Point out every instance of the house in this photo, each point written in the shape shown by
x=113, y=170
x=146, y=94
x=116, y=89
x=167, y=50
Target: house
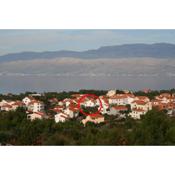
x=36, y=115
x=139, y=104
x=3, y=102
x=155, y=102
x=117, y=109
x=104, y=103
x=28, y=100
x=142, y=98
x=111, y=93
x=130, y=98
x=88, y=102
x=61, y=117
x=35, y=106
x=67, y=102
x=58, y=108
x=94, y=119
x=165, y=98
x=140, y=107
x=118, y=99
x=121, y=99
x=17, y=104
x=137, y=113
x=6, y=107
x=72, y=111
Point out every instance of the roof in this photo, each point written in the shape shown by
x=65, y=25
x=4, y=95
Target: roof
x=62, y=114
x=142, y=97
x=118, y=96
x=97, y=116
x=139, y=102
x=122, y=96
x=35, y=101
x=120, y=108
x=56, y=109
x=138, y=110
x=7, y=106
x=74, y=109
x=17, y=103
x=165, y=95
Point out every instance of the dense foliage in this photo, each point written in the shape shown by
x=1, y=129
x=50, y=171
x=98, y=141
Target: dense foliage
x=155, y=128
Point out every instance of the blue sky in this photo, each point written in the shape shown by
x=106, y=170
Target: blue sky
x=12, y=41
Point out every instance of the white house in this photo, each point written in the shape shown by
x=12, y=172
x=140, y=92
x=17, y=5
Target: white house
x=142, y=98
x=121, y=99
x=72, y=112
x=17, y=104
x=110, y=93
x=95, y=119
x=117, y=109
x=28, y=100
x=89, y=103
x=35, y=106
x=130, y=98
x=118, y=99
x=138, y=104
x=165, y=98
x=105, y=104
x=61, y=117
x=36, y=115
x=6, y=107
x=136, y=113
x=9, y=102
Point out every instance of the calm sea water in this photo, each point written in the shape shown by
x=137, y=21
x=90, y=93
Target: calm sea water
x=17, y=84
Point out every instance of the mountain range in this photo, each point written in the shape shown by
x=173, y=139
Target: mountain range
x=156, y=50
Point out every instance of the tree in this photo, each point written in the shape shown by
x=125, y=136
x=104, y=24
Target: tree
x=152, y=129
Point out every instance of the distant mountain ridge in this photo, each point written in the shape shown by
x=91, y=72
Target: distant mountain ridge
x=157, y=50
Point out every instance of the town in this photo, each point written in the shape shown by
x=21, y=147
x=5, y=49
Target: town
x=118, y=104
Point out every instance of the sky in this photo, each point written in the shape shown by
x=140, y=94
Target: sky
x=13, y=41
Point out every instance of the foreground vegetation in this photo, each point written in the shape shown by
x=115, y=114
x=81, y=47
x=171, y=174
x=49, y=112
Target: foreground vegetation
x=155, y=128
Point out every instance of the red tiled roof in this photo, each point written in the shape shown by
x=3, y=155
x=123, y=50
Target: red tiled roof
x=142, y=97
x=17, y=103
x=97, y=116
x=56, y=110
x=120, y=108
x=7, y=106
x=73, y=109
x=139, y=102
x=138, y=110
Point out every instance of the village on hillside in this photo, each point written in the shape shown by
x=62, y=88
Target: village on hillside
x=112, y=103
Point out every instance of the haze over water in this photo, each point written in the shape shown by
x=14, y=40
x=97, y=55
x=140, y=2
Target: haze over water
x=18, y=84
